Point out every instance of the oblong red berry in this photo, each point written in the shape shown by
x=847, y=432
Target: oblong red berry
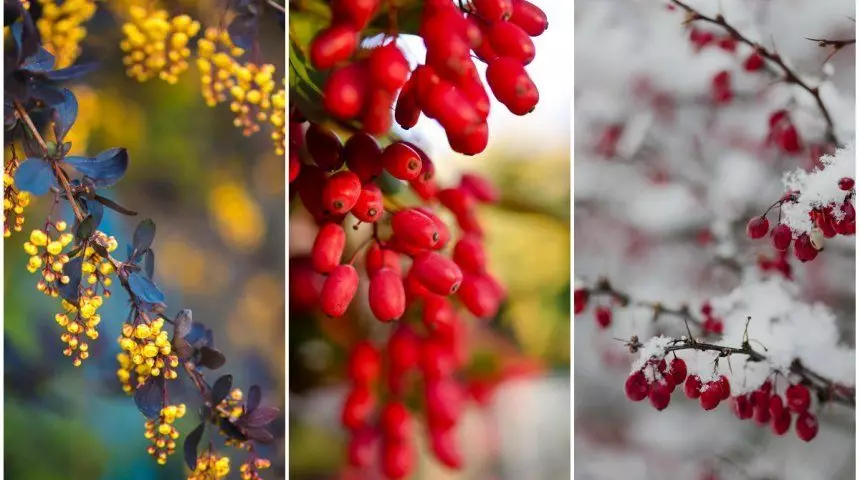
x=361, y=154
x=369, y=206
x=443, y=403
x=324, y=146
x=480, y=188
x=357, y=13
x=711, y=396
x=725, y=387
x=529, y=17
x=387, y=296
x=509, y=40
x=780, y=423
x=395, y=421
x=415, y=227
x=679, y=370
x=378, y=257
x=441, y=228
x=780, y=237
x=797, y=398
x=438, y=273
x=493, y=10
x=742, y=407
x=469, y=255
x=659, y=395
x=447, y=104
x=512, y=86
x=443, y=443
x=388, y=67
x=603, y=316
x=403, y=348
x=401, y=161
x=804, y=250
x=398, y=458
x=470, y=142
x=757, y=227
x=806, y=426
x=344, y=91
x=479, y=296
x=338, y=290
x=775, y=405
x=761, y=414
x=358, y=407
x=341, y=192
x=580, y=300
x=360, y=447
x=295, y=165
x=364, y=363
x=636, y=386
x=333, y=45
x=436, y=359
x=693, y=386
x=328, y=247
x=407, y=111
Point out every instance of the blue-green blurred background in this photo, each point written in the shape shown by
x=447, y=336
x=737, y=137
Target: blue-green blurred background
x=218, y=202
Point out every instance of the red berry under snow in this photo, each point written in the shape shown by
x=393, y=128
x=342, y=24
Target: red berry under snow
x=797, y=398
x=636, y=387
x=846, y=183
x=757, y=227
x=780, y=237
x=806, y=426
x=693, y=387
x=603, y=316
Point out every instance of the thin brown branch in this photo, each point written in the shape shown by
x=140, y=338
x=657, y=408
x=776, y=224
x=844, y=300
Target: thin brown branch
x=789, y=76
x=837, y=44
x=604, y=287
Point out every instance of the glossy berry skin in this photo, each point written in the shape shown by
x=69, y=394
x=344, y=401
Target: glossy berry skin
x=478, y=296
x=469, y=255
x=398, y=459
x=753, y=62
x=493, y=10
x=415, y=227
x=846, y=183
x=761, y=414
x=408, y=110
x=343, y=93
x=341, y=192
x=780, y=237
x=324, y=146
x=377, y=257
x=775, y=406
x=480, y=188
x=377, y=117
x=725, y=388
x=401, y=161
x=443, y=443
x=338, y=290
x=471, y=142
x=369, y=206
x=693, y=387
x=679, y=370
x=806, y=426
x=529, y=17
x=757, y=227
x=803, y=248
x=387, y=296
x=711, y=395
x=388, y=67
x=444, y=403
x=797, y=398
x=660, y=395
x=580, y=300
x=357, y=408
x=333, y=45
x=364, y=364
x=636, y=387
x=361, y=154
x=328, y=247
x=512, y=86
x=603, y=316
x=780, y=423
x=295, y=165
x=438, y=273
x=742, y=407
x=357, y=13
x=395, y=421
x=509, y=40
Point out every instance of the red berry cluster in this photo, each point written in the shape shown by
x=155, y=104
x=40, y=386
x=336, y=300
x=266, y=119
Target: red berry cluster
x=704, y=38
x=767, y=407
x=709, y=393
x=825, y=221
x=658, y=386
x=783, y=134
x=447, y=87
x=778, y=263
x=711, y=324
x=602, y=313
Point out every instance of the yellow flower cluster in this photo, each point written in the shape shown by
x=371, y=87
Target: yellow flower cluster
x=216, y=59
x=210, y=466
x=251, y=469
x=156, y=44
x=162, y=433
x=47, y=258
x=278, y=121
x=61, y=27
x=14, y=202
x=146, y=353
x=96, y=269
x=252, y=96
x=77, y=320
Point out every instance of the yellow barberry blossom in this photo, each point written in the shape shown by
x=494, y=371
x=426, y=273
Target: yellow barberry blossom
x=146, y=352
x=96, y=270
x=252, y=96
x=14, y=202
x=250, y=470
x=210, y=466
x=156, y=44
x=231, y=408
x=216, y=60
x=278, y=120
x=45, y=249
x=162, y=433
x=78, y=321
x=61, y=28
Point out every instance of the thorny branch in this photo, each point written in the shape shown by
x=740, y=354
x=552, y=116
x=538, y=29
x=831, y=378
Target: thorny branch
x=789, y=76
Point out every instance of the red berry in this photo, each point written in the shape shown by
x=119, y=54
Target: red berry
x=444, y=403
x=364, y=363
x=693, y=386
x=753, y=62
x=478, y=296
x=742, y=407
x=726, y=388
x=445, y=449
x=529, y=17
x=341, y=192
x=761, y=414
x=480, y=188
x=636, y=387
x=395, y=421
x=804, y=250
x=445, y=103
x=441, y=228
x=512, y=86
x=388, y=67
x=408, y=110
x=787, y=138
x=603, y=316
x=711, y=395
x=357, y=13
x=436, y=360
x=344, y=92
x=328, y=247
x=846, y=183
x=378, y=257
x=721, y=88
x=377, y=117
x=398, y=458
x=438, y=273
x=403, y=356
x=333, y=45
x=509, y=40
x=469, y=255
x=368, y=207
x=493, y=10
x=775, y=405
x=305, y=285
x=780, y=422
x=780, y=237
x=415, y=227
x=338, y=290
x=358, y=407
x=471, y=142
x=679, y=370
x=324, y=146
x=806, y=426
x=580, y=300
x=401, y=161
x=757, y=227
x=295, y=165
x=439, y=315
x=660, y=395
x=360, y=447
x=361, y=154
x=387, y=296
x=797, y=398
